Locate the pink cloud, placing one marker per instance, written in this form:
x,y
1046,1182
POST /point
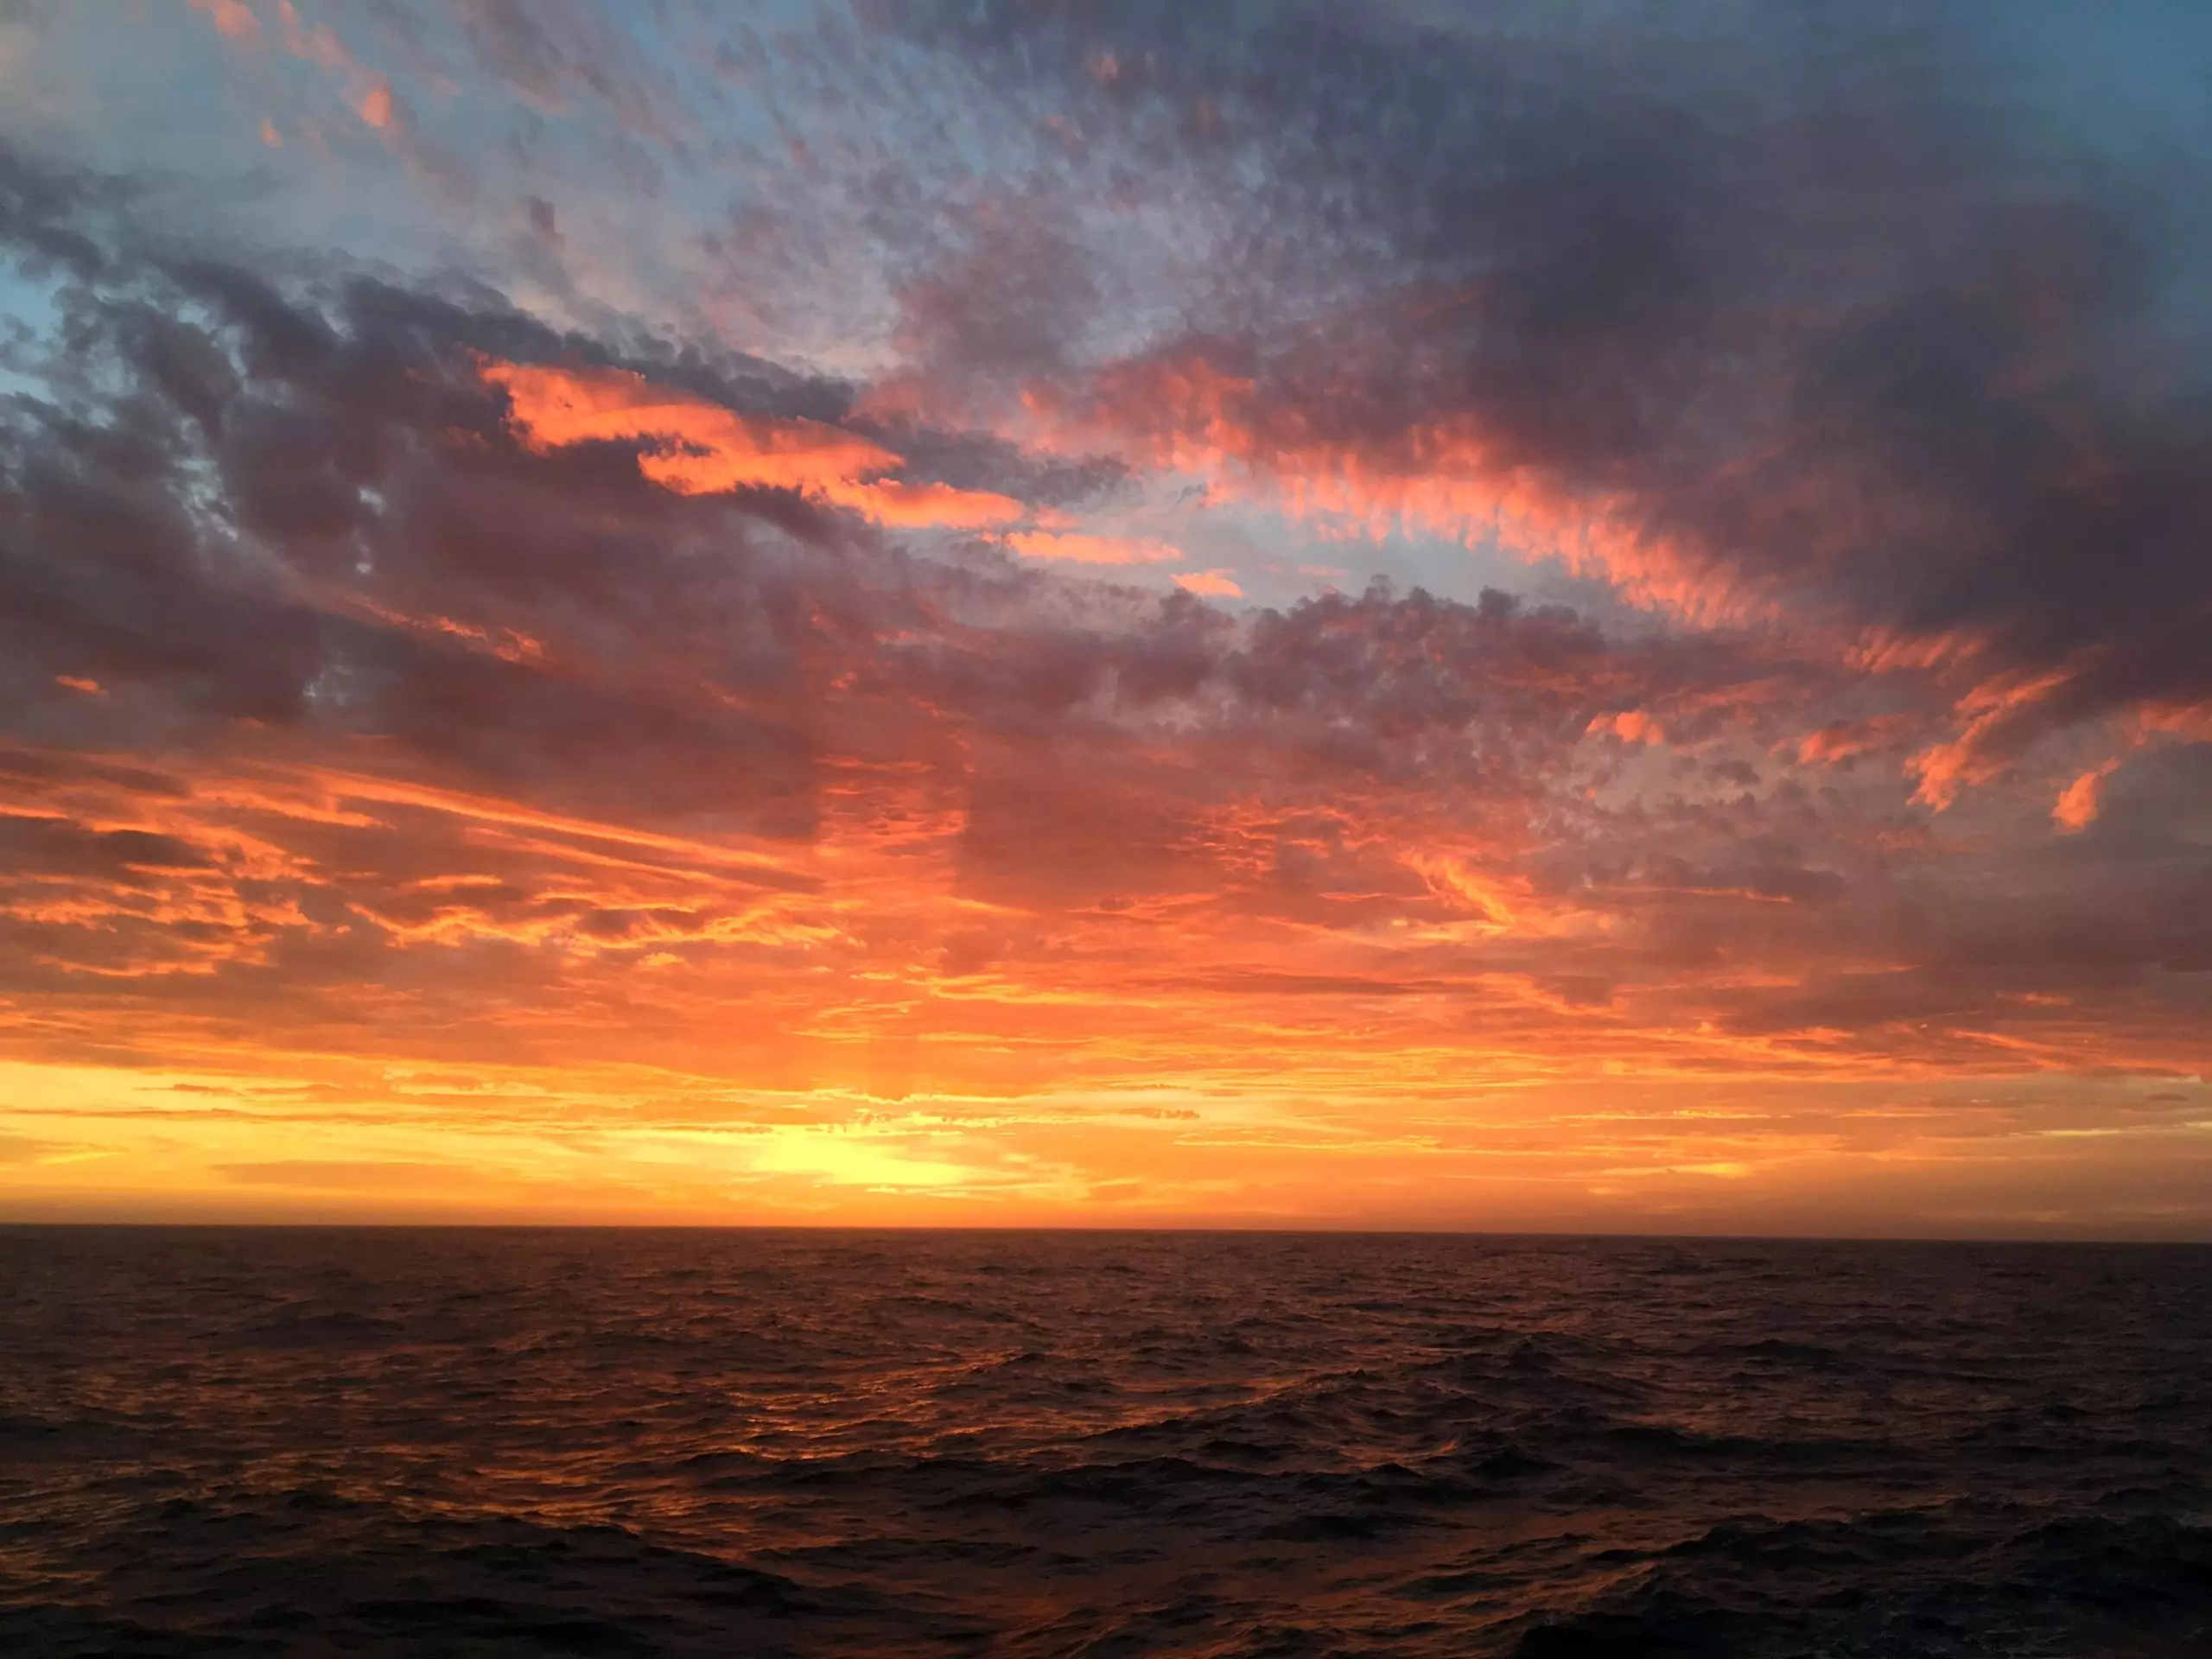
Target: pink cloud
x,y
1630,726
374,105
2078,804
1215,584
319,46
711,449
1077,548
233,19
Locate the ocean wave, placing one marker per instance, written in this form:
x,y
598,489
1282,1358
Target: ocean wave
x,y
1049,1444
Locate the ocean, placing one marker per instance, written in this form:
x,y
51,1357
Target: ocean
x,y
428,1441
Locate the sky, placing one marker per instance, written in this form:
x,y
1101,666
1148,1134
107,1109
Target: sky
x,y
1564,616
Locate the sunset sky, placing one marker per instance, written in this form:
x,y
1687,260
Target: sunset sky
x,y
1535,615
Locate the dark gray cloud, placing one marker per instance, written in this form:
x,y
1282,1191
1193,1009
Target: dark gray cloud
x,y
1834,302
283,519
300,506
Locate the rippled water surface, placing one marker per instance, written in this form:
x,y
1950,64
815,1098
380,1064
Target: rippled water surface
x,y
422,1442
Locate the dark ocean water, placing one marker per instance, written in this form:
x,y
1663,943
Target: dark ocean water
x,y
748,1443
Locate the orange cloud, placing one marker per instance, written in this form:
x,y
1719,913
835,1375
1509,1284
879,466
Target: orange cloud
x,y
374,106
509,644
319,46
1077,548
553,408
921,506
2077,805
233,19
1976,754
1217,584
1447,477
709,449
2190,722
1630,726
523,859
1319,998
1840,741
366,93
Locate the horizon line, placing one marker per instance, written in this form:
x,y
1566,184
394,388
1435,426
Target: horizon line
x,y
9,1225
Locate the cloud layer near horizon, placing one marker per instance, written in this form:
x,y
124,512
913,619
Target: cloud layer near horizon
x,y
779,620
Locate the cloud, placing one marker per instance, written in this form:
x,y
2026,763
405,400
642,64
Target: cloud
x,y
477,699
374,105
455,669
706,449
1076,548
319,44
557,55
2077,805
340,1175
232,18
22,1149
1747,319
1214,584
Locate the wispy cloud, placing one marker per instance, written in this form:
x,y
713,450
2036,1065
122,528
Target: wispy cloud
x,y
777,618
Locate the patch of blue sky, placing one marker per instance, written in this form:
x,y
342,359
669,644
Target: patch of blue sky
x,y
1276,558
2127,86
28,318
